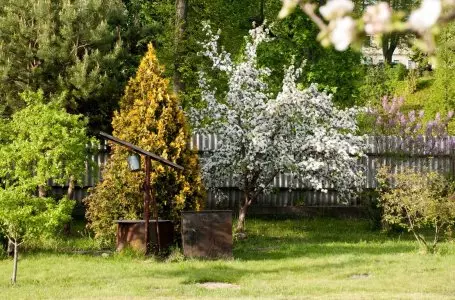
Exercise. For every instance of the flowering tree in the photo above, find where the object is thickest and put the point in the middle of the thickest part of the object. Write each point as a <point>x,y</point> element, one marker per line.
<point>339,28</point>
<point>298,132</point>
<point>415,133</point>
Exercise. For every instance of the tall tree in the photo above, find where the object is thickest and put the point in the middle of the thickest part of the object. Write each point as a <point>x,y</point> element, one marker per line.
<point>150,117</point>
<point>296,132</point>
<point>392,40</point>
<point>390,43</point>
<point>181,8</point>
<point>150,21</point>
<point>82,49</point>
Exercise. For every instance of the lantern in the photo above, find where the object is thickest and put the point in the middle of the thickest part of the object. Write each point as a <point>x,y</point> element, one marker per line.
<point>134,162</point>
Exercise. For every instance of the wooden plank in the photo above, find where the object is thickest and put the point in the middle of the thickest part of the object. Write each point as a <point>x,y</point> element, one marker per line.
<point>141,151</point>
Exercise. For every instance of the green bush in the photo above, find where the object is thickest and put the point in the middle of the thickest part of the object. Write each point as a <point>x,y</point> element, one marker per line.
<point>420,202</point>
<point>380,81</point>
<point>396,72</point>
<point>411,81</point>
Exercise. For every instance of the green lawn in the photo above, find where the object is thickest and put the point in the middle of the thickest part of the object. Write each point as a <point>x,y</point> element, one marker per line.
<point>427,97</point>
<point>282,259</point>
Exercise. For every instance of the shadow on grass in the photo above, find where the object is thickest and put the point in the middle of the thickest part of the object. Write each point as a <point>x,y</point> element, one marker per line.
<point>228,273</point>
<point>294,248</point>
<point>424,83</point>
<point>317,240</point>
<point>278,239</point>
<point>273,239</point>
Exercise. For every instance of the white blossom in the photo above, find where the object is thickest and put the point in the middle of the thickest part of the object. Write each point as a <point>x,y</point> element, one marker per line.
<point>336,9</point>
<point>259,136</point>
<point>221,61</point>
<point>377,18</point>
<point>287,7</point>
<point>425,16</point>
<point>343,33</point>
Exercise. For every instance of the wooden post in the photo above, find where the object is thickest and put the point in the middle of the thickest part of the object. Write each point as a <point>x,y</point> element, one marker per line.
<point>147,204</point>
<point>157,227</point>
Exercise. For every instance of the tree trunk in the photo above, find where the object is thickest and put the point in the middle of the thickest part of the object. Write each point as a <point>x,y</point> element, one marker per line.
<point>71,185</point>
<point>389,44</point>
<point>181,8</point>
<point>10,249</point>
<point>42,192</point>
<point>69,195</point>
<point>261,12</point>
<point>243,208</point>
<point>242,215</point>
<point>13,277</point>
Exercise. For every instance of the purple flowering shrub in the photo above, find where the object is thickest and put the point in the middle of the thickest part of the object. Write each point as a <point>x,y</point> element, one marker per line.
<point>415,133</point>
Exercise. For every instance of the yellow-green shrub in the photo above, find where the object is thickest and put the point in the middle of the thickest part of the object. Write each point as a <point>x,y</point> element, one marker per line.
<point>417,202</point>
<point>150,117</point>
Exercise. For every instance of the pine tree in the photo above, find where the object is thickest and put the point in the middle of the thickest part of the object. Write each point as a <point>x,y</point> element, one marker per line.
<point>84,50</point>
<point>151,118</point>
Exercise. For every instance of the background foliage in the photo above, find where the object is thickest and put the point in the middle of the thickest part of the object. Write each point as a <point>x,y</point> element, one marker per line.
<point>294,40</point>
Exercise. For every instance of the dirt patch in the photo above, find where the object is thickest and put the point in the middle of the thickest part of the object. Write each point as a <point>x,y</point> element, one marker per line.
<point>218,285</point>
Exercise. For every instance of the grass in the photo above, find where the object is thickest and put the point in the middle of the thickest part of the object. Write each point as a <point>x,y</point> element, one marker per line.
<point>427,97</point>
<point>281,259</point>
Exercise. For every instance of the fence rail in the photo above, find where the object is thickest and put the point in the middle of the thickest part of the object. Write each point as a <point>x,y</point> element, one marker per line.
<point>398,154</point>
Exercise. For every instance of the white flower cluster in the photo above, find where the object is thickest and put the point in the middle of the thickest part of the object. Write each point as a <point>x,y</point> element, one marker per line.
<point>298,132</point>
<point>377,18</point>
<point>425,16</point>
<point>222,60</point>
<point>339,28</point>
<point>335,9</point>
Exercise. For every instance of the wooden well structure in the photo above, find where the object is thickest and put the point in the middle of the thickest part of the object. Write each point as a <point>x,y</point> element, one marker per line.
<point>130,229</point>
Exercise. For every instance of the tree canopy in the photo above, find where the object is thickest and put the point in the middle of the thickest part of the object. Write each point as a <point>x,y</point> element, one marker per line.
<point>297,132</point>
<point>42,142</point>
<point>82,51</point>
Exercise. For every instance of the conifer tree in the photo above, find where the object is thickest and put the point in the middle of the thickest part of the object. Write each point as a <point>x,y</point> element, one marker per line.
<point>84,50</point>
<point>70,48</point>
<point>150,117</point>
